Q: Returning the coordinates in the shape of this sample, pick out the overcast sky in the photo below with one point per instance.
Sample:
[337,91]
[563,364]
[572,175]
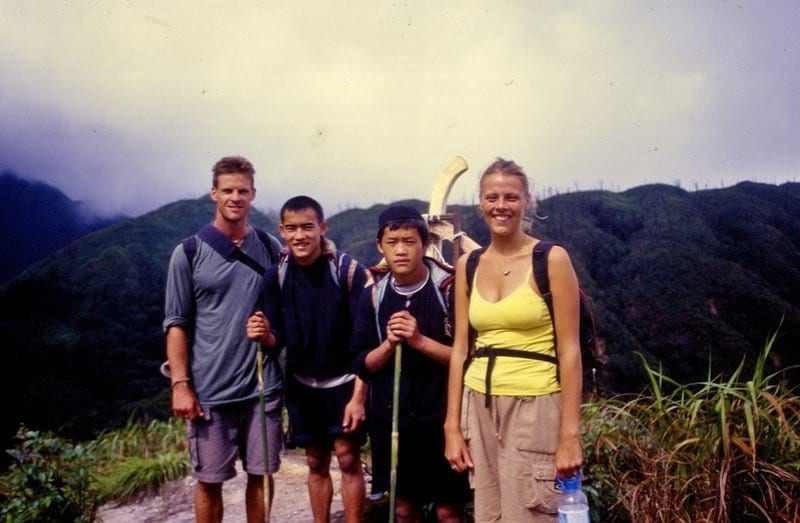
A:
[127,105]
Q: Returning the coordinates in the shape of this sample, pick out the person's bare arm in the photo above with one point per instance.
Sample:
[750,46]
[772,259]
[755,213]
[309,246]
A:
[564,287]
[456,450]
[184,401]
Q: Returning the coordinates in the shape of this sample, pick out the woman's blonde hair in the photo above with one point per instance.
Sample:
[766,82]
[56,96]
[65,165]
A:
[508,168]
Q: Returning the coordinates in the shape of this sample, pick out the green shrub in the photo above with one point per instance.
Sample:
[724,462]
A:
[719,450]
[50,480]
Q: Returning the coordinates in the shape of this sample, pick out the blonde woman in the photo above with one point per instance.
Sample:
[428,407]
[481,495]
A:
[513,418]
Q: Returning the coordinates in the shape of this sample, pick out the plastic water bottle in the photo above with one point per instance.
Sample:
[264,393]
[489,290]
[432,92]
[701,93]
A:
[573,507]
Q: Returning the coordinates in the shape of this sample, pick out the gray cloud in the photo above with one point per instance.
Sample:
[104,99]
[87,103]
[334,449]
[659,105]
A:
[128,106]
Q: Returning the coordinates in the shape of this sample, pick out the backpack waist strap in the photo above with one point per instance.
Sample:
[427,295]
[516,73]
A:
[492,353]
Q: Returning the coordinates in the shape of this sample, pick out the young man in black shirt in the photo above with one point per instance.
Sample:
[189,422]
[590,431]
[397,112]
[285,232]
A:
[310,296]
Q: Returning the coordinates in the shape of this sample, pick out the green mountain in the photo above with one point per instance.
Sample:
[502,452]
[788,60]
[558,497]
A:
[37,219]
[694,281]
[81,340]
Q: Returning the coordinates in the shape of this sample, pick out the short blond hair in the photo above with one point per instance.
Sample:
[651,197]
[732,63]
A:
[233,165]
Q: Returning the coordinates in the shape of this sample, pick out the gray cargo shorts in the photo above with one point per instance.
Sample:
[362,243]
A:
[228,431]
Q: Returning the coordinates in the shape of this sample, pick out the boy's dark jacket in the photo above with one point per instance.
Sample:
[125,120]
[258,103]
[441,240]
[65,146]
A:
[423,381]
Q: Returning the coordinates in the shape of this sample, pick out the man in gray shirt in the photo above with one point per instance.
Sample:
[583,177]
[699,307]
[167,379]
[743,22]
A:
[213,284]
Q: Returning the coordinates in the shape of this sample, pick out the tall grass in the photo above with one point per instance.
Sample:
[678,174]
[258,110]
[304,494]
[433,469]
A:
[140,458]
[719,450]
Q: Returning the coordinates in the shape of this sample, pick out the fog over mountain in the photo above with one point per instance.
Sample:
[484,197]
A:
[37,219]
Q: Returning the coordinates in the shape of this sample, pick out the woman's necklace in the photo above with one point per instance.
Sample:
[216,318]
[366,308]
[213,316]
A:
[506,272]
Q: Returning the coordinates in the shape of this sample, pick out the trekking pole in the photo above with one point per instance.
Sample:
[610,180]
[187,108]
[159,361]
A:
[263,416]
[398,360]
[398,357]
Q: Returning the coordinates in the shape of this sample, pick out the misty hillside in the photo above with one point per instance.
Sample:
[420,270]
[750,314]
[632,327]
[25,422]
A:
[36,220]
[694,281]
[82,342]
[687,279]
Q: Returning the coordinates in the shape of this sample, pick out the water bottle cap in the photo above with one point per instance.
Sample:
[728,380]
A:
[569,484]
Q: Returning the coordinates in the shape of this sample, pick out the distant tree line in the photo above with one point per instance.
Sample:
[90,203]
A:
[695,282]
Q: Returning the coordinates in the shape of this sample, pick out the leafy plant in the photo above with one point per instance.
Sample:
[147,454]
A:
[50,480]
[718,450]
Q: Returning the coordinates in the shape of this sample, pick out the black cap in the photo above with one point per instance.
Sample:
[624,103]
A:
[398,212]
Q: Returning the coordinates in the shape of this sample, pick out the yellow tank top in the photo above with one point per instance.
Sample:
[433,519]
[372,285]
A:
[519,321]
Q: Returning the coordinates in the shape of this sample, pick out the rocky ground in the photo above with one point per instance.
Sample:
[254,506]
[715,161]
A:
[174,503]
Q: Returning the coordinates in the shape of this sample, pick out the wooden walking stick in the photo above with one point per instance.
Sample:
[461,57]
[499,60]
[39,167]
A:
[263,416]
[398,360]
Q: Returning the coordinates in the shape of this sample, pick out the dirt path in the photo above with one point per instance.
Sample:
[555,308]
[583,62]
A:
[175,501]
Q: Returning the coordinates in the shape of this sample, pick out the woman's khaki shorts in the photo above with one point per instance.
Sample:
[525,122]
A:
[512,444]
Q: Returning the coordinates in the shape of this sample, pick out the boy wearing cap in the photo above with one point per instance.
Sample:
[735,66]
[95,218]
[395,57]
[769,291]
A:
[409,310]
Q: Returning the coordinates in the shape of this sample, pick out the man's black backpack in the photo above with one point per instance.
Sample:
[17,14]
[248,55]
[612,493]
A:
[592,354]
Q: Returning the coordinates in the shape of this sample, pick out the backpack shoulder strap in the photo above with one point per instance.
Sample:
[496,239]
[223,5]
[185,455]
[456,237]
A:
[271,244]
[378,272]
[380,275]
[443,277]
[337,266]
[226,248]
[342,267]
[540,276]
[377,292]
[346,269]
[335,262]
[542,279]
[283,266]
[472,265]
[190,249]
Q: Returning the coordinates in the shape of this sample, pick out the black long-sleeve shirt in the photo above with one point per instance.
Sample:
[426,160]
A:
[313,315]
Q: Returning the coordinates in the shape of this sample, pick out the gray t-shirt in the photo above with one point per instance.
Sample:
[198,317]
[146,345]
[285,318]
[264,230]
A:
[212,304]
